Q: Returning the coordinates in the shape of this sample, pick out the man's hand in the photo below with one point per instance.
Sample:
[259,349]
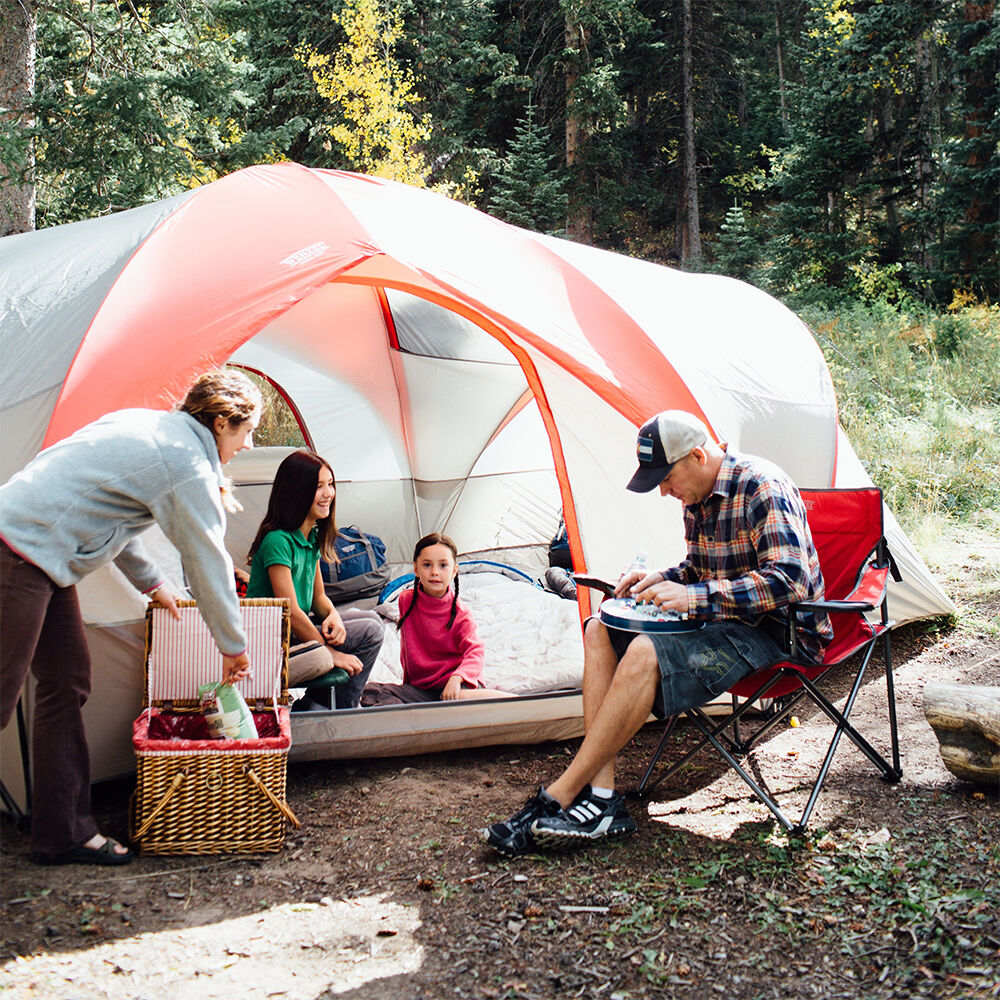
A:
[235,668]
[634,581]
[452,688]
[665,594]
[166,597]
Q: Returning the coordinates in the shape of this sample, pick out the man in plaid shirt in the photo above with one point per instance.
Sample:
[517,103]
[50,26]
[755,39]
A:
[750,554]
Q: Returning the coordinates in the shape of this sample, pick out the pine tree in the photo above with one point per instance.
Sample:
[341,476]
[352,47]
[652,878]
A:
[737,249]
[968,200]
[529,191]
[132,103]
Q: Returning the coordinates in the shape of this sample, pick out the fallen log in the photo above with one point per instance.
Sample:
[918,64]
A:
[966,721]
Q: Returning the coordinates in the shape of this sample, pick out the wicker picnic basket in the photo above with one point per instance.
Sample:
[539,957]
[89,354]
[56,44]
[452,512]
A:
[195,794]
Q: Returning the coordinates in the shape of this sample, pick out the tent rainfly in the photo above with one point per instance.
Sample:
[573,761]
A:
[460,374]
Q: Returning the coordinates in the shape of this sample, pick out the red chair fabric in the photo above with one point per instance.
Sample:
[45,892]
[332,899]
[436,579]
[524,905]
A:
[846,527]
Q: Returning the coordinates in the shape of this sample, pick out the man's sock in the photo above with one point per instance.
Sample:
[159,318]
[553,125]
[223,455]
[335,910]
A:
[602,793]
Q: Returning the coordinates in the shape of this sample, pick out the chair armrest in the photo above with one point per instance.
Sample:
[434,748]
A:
[833,606]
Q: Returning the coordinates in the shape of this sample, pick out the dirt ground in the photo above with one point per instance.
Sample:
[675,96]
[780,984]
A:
[388,891]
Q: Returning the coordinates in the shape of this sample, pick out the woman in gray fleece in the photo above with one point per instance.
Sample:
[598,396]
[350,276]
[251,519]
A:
[78,505]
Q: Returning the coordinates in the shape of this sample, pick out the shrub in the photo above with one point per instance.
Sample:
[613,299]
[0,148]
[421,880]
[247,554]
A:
[919,397]
[278,425]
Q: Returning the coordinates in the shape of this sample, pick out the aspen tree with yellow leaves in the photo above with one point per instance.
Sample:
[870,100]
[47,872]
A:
[382,131]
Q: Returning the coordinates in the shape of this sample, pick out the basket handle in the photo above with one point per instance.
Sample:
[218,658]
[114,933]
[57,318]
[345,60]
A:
[282,807]
[176,783]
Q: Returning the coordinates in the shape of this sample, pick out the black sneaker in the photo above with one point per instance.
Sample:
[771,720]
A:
[513,836]
[590,817]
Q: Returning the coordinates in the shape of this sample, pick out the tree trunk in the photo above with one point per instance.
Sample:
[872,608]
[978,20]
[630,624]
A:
[893,246]
[579,223]
[980,83]
[966,721]
[741,92]
[17,87]
[928,122]
[690,222]
[780,46]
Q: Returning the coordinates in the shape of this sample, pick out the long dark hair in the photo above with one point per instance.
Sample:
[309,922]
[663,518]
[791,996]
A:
[434,538]
[292,494]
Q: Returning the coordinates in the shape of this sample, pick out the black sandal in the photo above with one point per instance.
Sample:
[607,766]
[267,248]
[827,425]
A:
[82,855]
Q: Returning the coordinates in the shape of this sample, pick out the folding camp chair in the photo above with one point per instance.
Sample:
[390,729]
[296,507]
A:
[846,526]
[22,817]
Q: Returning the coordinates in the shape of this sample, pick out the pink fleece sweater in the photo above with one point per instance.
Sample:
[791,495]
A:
[432,652]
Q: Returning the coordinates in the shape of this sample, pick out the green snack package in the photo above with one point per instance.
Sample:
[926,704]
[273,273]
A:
[226,712]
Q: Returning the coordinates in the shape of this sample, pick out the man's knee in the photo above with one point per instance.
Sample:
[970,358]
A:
[595,637]
[639,666]
[370,640]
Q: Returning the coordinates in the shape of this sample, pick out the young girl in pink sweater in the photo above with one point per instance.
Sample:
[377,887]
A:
[442,654]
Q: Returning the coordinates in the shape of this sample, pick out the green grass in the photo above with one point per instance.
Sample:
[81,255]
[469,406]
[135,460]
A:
[919,398]
[909,913]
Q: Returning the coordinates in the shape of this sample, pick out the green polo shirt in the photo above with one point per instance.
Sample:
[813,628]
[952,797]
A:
[286,548]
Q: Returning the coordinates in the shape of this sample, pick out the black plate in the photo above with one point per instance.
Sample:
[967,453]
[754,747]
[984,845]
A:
[624,614]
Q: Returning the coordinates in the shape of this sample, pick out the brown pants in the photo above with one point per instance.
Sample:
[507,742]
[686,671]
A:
[41,629]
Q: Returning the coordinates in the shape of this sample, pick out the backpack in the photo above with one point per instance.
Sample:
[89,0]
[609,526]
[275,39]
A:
[362,571]
[559,554]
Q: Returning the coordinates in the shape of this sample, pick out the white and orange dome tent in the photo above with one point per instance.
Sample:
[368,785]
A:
[460,374]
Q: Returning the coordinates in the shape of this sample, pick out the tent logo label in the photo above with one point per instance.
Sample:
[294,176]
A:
[306,254]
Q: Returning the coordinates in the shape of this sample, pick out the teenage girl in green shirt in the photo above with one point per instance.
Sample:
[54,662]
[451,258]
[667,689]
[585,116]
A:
[298,528]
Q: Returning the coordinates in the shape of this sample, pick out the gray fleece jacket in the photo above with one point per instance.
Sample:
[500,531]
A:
[85,501]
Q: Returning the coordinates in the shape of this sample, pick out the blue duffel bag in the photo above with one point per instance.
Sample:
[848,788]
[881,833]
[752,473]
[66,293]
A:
[361,571]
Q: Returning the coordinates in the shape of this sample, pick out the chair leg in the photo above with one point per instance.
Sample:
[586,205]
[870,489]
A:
[22,817]
[667,730]
[764,797]
[890,691]
[705,726]
[843,726]
[779,716]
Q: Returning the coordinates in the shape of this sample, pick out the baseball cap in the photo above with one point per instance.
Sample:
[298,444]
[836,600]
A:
[664,440]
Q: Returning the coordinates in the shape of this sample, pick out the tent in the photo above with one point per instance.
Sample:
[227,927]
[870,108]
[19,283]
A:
[461,374]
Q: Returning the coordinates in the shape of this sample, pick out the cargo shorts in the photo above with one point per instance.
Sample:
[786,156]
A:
[697,666]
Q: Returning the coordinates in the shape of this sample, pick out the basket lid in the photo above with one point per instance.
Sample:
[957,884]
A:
[182,655]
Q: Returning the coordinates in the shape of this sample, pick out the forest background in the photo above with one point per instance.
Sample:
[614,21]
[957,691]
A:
[844,155]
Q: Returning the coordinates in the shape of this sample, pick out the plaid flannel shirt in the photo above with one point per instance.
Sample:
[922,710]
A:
[750,552]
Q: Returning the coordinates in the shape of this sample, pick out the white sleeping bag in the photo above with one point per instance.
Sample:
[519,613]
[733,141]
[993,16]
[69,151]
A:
[532,638]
